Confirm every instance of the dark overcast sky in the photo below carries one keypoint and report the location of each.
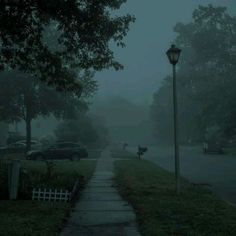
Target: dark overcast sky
(144, 56)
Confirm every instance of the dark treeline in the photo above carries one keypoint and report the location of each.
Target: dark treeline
(52, 46)
(206, 81)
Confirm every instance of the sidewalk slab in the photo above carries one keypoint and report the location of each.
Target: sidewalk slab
(101, 178)
(100, 197)
(96, 218)
(100, 231)
(101, 211)
(106, 189)
(102, 206)
(96, 184)
(103, 173)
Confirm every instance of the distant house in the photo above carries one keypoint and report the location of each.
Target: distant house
(3, 133)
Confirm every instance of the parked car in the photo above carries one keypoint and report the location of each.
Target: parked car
(19, 147)
(212, 148)
(34, 144)
(60, 150)
(14, 137)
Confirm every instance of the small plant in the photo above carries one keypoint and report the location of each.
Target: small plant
(50, 165)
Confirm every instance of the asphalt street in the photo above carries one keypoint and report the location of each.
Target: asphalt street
(217, 171)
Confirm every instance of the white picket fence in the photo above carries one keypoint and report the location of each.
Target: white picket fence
(51, 195)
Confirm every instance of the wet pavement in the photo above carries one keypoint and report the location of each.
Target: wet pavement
(101, 210)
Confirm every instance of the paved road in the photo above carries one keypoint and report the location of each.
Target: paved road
(217, 170)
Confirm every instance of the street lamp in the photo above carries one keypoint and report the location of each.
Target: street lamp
(173, 55)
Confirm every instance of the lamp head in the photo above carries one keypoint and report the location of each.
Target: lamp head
(173, 54)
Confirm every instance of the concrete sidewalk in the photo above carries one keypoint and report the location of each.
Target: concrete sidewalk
(101, 211)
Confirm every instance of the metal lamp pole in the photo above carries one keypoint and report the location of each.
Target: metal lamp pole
(173, 54)
(176, 133)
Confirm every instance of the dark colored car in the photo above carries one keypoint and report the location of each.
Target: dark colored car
(13, 148)
(18, 147)
(61, 150)
(212, 148)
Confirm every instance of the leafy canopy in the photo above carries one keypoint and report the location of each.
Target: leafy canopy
(206, 78)
(25, 98)
(81, 30)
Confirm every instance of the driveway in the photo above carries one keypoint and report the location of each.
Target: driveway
(219, 171)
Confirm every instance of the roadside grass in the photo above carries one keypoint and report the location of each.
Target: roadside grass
(33, 218)
(124, 154)
(151, 191)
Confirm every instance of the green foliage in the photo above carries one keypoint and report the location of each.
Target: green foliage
(23, 97)
(151, 191)
(50, 169)
(161, 113)
(22, 217)
(206, 77)
(60, 175)
(48, 38)
(82, 129)
(53, 175)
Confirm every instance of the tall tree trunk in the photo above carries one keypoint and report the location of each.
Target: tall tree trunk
(28, 129)
(16, 126)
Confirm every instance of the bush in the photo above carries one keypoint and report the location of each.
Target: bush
(82, 130)
(59, 175)
(46, 176)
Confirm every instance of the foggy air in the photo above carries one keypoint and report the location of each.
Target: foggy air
(117, 118)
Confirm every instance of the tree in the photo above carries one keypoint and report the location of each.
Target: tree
(81, 29)
(25, 98)
(206, 76)
(161, 113)
(82, 129)
(211, 39)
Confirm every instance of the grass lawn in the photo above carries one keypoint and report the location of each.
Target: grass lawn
(62, 168)
(37, 174)
(124, 154)
(28, 218)
(195, 212)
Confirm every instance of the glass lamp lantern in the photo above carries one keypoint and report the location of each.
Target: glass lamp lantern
(173, 54)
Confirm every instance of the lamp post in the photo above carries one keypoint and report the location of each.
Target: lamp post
(173, 55)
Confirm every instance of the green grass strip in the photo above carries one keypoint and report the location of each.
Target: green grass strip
(160, 212)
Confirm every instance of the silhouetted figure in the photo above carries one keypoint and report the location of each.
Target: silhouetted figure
(141, 151)
(205, 147)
